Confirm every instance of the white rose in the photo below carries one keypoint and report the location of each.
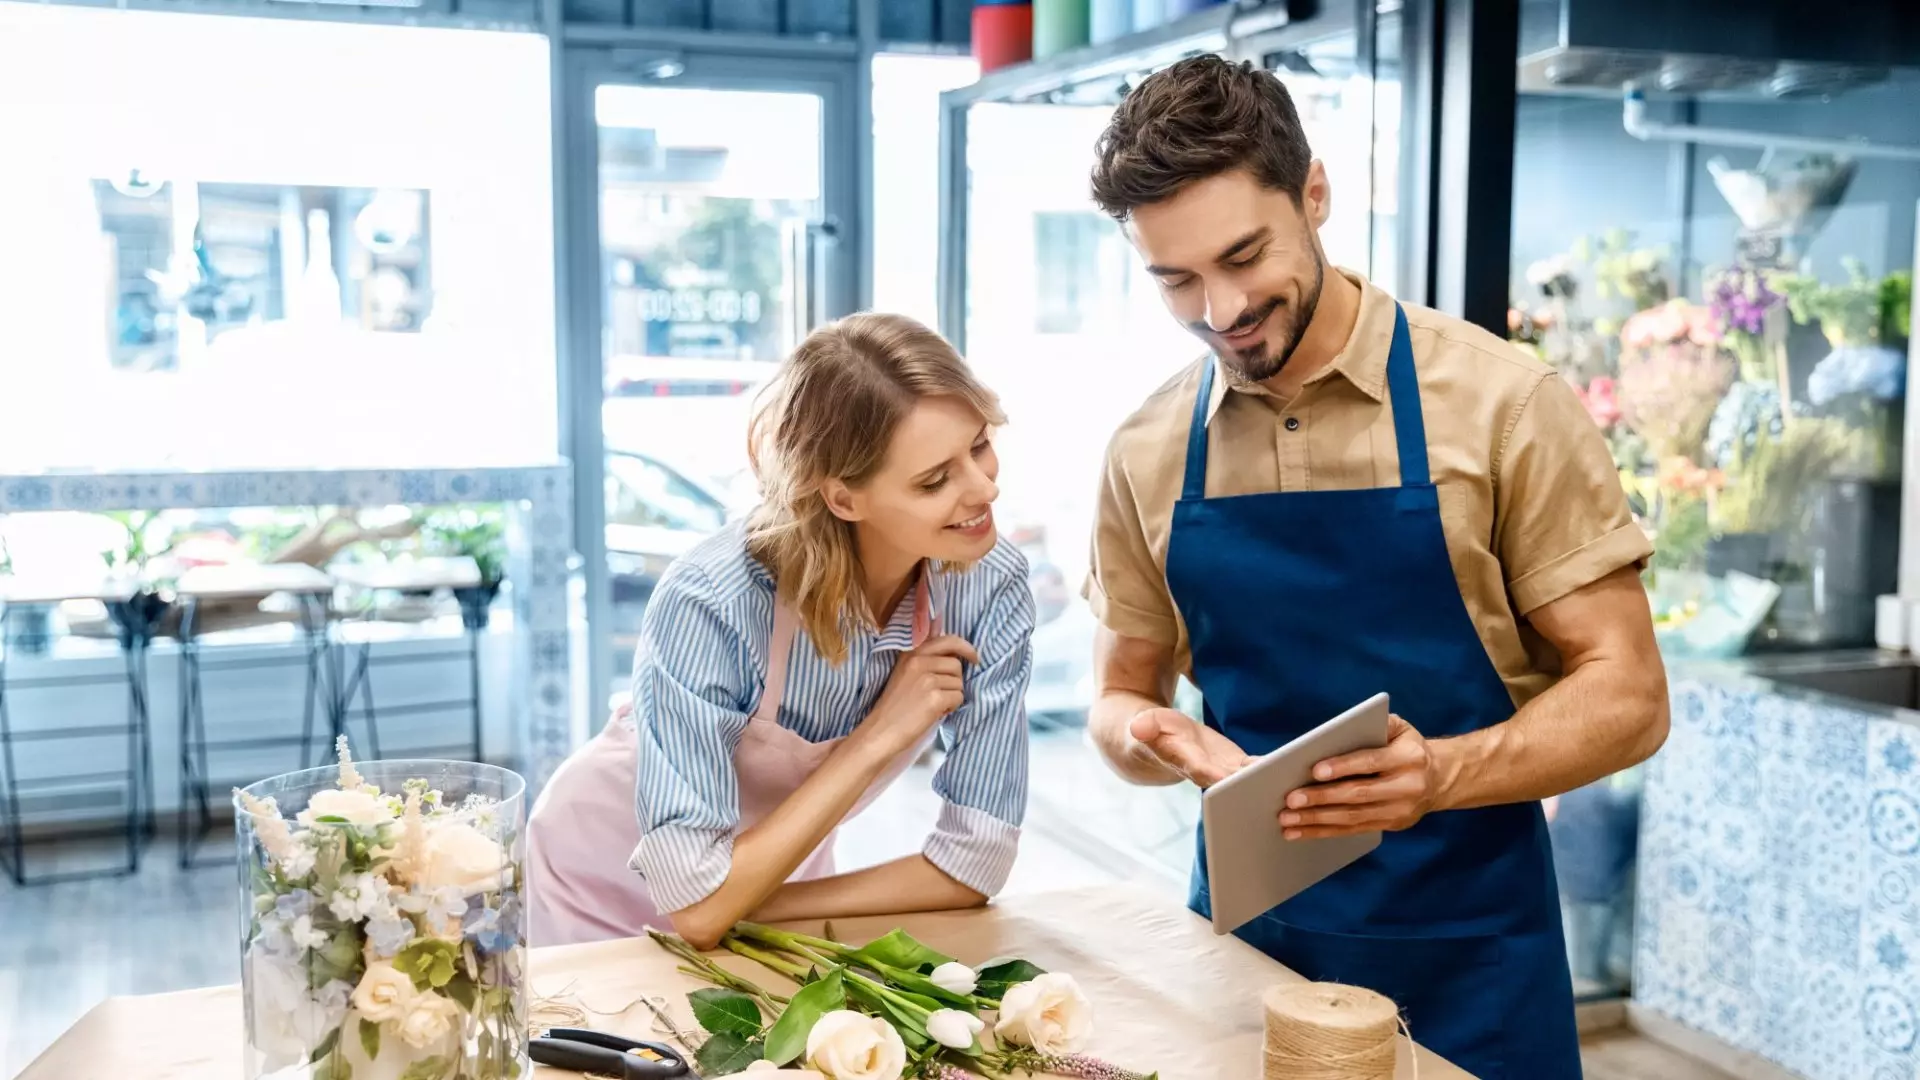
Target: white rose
(951, 1027)
(955, 978)
(355, 807)
(1049, 1014)
(429, 1022)
(384, 993)
(848, 1046)
(462, 857)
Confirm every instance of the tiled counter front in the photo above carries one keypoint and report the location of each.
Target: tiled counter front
(1779, 884)
(547, 720)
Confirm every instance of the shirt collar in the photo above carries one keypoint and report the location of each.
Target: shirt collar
(897, 635)
(1362, 361)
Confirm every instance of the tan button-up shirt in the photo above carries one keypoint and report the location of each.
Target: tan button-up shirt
(1530, 500)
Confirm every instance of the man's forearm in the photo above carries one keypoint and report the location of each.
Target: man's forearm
(1112, 713)
(1603, 717)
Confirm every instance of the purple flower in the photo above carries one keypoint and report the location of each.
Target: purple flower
(294, 904)
(493, 930)
(1741, 297)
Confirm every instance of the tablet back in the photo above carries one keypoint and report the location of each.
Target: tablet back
(1251, 866)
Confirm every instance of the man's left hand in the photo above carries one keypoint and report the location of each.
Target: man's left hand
(1386, 789)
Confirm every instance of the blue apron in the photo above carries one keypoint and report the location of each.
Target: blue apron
(1299, 605)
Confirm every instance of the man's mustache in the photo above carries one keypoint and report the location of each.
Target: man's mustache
(1247, 319)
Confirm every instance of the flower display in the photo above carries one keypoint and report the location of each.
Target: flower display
(889, 1009)
(1874, 371)
(1749, 411)
(1601, 401)
(1672, 376)
(385, 937)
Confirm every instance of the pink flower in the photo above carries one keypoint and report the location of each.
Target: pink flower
(1598, 397)
(1674, 321)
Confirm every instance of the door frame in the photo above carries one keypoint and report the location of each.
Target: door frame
(670, 62)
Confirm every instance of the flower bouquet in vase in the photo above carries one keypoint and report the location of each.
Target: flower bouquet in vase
(383, 935)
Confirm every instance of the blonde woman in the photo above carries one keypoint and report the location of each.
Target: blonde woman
(794, 665)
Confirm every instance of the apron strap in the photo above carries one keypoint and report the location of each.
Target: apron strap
(1194, 488)
(786, 626)
(1403, 390)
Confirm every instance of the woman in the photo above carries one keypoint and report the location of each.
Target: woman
(793, 666)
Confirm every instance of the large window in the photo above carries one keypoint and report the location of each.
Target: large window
(260, 242)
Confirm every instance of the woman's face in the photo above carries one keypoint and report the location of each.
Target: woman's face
(933, 495)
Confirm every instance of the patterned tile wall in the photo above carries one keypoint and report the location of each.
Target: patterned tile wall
(1779, 881)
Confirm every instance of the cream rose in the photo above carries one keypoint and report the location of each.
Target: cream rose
(384, 993)
(951, 1027)
(354, 807)
(462, 857)
(429, 1022)
(1049, 1014)
(848, 1046)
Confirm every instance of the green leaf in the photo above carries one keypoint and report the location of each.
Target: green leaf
(912, 1031)
(998, 975)
(461, 989)
(326, 1045)
(725, 1012)
(332, 819)
(432, 1068)
(788, 1039)
(334, 1068)
(726, 1054)
(370, 1038)
(900, 950)
(927, 992)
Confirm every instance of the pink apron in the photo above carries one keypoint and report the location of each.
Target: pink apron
(585, 826)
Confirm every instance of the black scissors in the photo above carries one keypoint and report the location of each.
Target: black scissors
(586, 1051)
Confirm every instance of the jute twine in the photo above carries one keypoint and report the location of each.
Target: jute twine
(1327, 1031)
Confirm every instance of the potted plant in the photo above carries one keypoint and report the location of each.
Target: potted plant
(137, 618)
(477, 533)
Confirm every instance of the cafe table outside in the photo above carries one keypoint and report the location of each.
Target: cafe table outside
(1168, 994)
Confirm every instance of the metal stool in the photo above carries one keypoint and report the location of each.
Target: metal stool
(311, 589)
(135, 615)
(353, 661)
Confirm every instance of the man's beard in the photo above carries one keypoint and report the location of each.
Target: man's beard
(1260, 362)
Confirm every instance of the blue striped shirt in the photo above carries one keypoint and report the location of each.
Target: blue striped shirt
(699, 671)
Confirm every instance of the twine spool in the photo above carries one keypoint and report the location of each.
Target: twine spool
(1327, 1031)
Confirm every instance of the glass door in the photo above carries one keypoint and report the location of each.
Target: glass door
(717, 242)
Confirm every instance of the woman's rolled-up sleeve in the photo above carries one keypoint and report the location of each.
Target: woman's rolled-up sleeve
(691, 673)
(983, 781)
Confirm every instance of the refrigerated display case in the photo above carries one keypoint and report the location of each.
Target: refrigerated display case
(1714, 243)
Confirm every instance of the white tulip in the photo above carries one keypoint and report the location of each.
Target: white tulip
(955, 978)
(846, 1045)
(1049, 1014)
(774, 1072)
(951, 1027)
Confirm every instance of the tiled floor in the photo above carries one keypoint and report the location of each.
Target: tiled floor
(65, 947)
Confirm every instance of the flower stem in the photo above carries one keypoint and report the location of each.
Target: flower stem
(766, 959)
(701, 966)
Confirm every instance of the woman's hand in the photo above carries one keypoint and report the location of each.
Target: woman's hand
(926, 685)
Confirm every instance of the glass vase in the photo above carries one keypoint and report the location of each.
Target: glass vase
(383, 934)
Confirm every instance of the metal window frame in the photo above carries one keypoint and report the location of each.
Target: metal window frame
(588, 57)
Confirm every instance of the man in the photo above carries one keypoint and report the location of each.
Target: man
(1352, 496)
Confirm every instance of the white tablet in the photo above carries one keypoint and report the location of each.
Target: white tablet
(1251, 866)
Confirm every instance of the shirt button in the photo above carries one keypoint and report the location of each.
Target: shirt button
(1293, 423)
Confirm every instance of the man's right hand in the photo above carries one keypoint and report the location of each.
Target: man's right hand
(1173, 740)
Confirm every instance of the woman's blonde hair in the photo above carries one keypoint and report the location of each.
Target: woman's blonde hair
(830, 414)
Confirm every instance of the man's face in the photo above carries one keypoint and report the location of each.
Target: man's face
(1239, 265)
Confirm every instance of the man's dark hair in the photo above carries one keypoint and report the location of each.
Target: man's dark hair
(1196, 119)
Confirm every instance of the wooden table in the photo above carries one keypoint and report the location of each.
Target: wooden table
(1167, 993)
